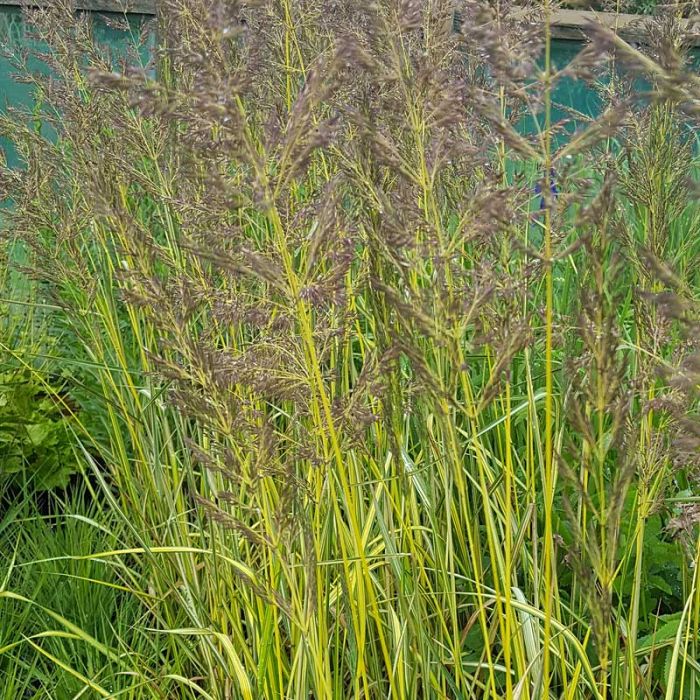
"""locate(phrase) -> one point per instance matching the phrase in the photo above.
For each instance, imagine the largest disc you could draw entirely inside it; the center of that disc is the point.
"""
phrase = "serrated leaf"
(662, 635)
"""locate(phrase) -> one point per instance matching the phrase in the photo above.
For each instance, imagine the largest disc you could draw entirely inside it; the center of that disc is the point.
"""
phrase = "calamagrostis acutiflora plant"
(381, 423)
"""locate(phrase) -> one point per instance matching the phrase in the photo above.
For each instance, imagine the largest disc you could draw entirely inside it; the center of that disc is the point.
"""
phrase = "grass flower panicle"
(344, 418)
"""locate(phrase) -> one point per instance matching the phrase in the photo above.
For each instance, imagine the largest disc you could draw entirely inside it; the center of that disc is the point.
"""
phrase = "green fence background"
(570, 96)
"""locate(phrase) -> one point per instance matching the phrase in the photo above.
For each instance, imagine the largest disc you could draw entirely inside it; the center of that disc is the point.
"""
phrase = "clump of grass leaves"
(377, 392)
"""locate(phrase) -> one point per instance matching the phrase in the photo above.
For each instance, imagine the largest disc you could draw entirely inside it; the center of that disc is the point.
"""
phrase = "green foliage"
(643, 6)
(54, 596)
(36, 439)
(662, 586)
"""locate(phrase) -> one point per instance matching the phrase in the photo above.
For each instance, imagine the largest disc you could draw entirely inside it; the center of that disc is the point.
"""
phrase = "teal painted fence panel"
(570, 96)
(15, 37)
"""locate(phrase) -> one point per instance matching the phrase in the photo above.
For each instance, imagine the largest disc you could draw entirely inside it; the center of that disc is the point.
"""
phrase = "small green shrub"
(35, 432)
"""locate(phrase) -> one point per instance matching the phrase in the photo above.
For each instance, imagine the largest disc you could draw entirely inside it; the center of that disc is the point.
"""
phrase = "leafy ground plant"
(35, 433)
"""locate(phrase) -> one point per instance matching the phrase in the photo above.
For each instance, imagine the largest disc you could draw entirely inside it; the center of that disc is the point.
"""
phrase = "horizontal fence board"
(141, 7)
(578, 19)
(573, 24)
(566, 24)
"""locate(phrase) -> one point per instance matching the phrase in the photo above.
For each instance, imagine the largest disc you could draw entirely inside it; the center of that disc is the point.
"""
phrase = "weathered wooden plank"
(573, 24)
(145, 7)
(566, 24)
(580, 18)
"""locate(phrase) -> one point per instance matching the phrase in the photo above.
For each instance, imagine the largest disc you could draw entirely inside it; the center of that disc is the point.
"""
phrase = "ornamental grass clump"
(385, 378)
